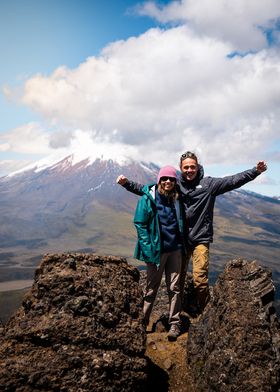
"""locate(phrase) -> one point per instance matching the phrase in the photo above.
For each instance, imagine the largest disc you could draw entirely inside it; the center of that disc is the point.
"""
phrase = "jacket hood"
(147, 188)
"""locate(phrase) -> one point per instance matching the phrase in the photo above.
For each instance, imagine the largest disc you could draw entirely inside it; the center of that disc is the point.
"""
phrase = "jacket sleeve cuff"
(255, 171)
(127, 184)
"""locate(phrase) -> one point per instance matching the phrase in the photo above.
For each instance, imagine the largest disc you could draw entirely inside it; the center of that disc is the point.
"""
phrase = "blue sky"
(41, 35)
(153, 78)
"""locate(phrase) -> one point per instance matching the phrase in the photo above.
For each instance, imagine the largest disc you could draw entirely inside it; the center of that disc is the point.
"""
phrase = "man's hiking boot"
(174, 331)
(146, 322)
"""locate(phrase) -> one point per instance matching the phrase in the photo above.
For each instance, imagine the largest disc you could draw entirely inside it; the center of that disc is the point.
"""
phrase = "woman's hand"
(121, 180)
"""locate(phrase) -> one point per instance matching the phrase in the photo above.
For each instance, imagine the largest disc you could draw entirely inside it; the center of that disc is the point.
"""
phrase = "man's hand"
(121, 180)
(261, 167)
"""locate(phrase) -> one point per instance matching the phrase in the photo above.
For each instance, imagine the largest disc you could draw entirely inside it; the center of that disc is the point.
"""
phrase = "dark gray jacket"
(198, 197)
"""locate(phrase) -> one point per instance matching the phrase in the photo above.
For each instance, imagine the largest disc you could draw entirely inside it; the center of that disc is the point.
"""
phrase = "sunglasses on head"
(171, 179)
(188, 155)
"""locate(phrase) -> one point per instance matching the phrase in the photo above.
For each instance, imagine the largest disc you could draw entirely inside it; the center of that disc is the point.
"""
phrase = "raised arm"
(226, 184)
(130, 186)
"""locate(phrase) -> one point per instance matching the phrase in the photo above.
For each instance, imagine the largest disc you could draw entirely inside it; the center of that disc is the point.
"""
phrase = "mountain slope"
(68, 206)
(247, 225)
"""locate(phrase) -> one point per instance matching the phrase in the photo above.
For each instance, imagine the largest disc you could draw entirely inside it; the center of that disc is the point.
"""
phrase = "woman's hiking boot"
(174, 331)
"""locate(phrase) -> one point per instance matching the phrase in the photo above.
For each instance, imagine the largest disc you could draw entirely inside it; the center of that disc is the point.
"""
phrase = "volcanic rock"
(234, 345)
(1, 328)
(80, 328)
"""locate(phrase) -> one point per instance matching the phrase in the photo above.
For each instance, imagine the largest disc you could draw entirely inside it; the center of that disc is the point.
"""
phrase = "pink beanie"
(167, 171)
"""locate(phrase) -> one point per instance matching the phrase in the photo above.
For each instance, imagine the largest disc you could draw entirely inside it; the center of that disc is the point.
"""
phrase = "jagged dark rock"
(2, 328)
(234, 346)
(80, 329)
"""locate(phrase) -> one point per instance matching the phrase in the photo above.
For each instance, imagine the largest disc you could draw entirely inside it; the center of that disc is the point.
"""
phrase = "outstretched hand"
(261, 167)
(121, 180)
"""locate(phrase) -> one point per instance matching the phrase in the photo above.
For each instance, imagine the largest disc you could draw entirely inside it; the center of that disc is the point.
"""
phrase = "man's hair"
(188, 154)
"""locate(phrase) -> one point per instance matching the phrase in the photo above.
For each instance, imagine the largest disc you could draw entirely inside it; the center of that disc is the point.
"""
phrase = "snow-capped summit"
(120, 154)
(60, 203)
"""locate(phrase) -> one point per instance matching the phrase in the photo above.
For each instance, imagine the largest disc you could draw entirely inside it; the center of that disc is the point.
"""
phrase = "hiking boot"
(146, 322)
(174, 331)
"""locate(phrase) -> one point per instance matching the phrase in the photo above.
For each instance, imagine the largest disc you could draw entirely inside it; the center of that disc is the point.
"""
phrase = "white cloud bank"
(168, 90)
(239, 22)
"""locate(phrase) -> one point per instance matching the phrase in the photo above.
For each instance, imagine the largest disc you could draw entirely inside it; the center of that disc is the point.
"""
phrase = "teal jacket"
(146, 220)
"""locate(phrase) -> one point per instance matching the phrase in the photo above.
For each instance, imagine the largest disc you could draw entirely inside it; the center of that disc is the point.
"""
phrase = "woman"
(158, 220)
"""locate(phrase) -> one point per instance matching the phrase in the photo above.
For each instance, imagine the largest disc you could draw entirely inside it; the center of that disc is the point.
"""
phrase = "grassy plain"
(10, 302)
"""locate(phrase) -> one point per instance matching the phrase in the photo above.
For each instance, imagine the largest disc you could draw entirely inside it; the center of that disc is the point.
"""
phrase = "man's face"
(189, 169)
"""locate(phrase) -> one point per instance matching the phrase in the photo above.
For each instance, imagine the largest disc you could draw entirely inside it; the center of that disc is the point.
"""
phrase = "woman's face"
(167, 183)
(189, 168)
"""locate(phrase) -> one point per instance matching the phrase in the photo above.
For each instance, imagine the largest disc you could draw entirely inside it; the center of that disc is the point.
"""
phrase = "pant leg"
(200, 274)
(172, 272)
(154, 276)
(184, 269)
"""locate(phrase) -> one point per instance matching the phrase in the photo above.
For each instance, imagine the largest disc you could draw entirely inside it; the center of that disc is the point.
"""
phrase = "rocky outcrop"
(2, 328)
(79, 329)
(235, 344)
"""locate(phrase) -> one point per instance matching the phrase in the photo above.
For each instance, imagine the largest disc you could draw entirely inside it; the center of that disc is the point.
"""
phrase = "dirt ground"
(167, 361)
(167, 370)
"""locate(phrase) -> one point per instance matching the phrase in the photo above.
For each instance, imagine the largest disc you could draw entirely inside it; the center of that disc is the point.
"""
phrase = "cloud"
(58, 145)
(264, 180)
(60, 139)
(272, 156)
(239, 22)
(12, 165)
(167, 90)
(4, 147)
(31, 138)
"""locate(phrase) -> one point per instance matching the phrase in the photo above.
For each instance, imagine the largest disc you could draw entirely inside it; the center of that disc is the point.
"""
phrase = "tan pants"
(200, 256)
(171, 263)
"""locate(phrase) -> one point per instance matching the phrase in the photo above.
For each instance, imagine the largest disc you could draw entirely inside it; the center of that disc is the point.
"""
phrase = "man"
(198, 195)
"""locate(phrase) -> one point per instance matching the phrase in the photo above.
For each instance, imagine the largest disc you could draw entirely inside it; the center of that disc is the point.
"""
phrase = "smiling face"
(167, 183)
(189, 168)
